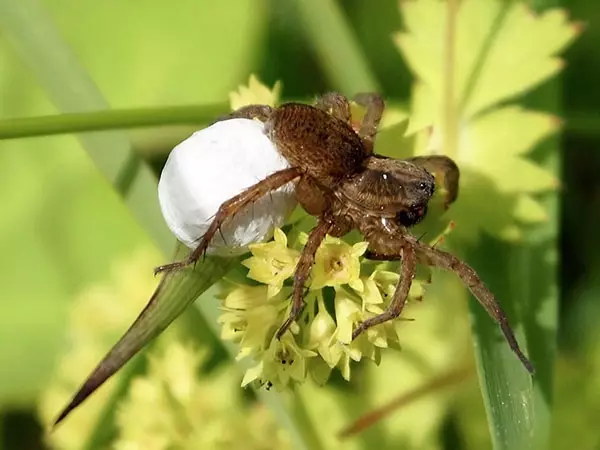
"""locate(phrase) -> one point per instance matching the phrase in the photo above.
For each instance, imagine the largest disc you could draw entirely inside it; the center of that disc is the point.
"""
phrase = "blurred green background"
(62, 225)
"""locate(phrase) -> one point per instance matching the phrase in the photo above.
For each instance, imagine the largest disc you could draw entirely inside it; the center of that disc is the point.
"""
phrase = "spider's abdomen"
(327, 148)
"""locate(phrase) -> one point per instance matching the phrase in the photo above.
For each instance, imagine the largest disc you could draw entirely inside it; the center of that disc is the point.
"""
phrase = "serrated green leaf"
(529, 210)
(508, 131)
(502, 49)
(468, 57)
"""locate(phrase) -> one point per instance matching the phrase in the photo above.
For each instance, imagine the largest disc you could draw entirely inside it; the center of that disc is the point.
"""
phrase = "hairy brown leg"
(260, 112)
(307, 258)
(374, 110)
(407, 273)
(480, 291)
(232, 206)
(335, 104)
(375, 256)
(445, 167)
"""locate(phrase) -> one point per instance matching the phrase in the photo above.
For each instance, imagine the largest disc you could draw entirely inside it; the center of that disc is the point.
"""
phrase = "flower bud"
(214, 165)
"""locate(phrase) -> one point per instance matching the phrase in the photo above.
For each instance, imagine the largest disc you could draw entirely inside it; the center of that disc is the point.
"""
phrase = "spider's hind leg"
(335, 104)
(374, 105)
(231, 207)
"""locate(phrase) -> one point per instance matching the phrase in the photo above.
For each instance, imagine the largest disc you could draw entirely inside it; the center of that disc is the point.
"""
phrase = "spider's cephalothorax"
(346, 186)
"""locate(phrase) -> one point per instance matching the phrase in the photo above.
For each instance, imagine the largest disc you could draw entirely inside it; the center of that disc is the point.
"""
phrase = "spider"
(341, 181)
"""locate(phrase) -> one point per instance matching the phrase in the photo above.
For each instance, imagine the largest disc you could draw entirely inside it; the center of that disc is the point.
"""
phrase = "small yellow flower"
(320, 338)
(246, 311)
(336, 263)
(272, 262)
(173, 406)
(281, 363)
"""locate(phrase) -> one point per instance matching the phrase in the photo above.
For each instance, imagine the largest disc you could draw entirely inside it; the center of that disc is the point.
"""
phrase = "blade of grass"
(110, 120)
(506, 386)
(526, 277)
(523, 279)
(336, 46)
(37, 41)
(174, 294)
(531, 278)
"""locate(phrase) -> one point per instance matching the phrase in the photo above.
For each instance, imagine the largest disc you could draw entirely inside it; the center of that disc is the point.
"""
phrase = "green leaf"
(72, 90)
(501, 49)
(496, 51)
(468, 57)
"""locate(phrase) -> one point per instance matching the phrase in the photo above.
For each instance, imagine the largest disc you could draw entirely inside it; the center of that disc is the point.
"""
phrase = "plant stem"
(337, 48)
(450, 120)
(109, 119)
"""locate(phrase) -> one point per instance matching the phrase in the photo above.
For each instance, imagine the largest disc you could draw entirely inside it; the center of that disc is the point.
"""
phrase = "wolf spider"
(341, 181)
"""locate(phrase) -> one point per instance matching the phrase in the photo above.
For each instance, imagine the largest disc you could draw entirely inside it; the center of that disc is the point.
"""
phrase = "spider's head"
(391, 188)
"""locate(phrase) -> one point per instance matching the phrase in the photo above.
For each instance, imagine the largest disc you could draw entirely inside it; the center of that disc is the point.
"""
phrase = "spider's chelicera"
(341, 181)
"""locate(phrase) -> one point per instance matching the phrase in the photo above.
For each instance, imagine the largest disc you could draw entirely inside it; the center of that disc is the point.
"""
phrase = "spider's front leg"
(407, 274)
(440, 165)
(374, 105)
(231, 207)
(307, 258)
(484, 296)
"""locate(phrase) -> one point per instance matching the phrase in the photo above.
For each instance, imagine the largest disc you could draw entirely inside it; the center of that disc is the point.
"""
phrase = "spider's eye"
(425, 187)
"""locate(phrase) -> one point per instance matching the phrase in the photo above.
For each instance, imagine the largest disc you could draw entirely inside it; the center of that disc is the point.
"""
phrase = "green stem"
(110, 119)
(450, 121)
(337, 48)
(583, 123)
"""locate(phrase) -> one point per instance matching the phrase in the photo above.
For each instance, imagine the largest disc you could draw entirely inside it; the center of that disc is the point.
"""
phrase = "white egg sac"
(212, 166)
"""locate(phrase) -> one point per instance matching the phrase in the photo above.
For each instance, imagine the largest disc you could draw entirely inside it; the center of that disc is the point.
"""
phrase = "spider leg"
(259, 112)
(375, 256)
(446, 168)
(307, 258)
(407, 273)
(480, 291)
(231, 207)
(335, 104)
(374, 110)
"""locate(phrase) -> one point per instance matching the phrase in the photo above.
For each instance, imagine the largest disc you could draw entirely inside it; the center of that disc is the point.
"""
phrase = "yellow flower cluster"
(191, 412)
(341, 294)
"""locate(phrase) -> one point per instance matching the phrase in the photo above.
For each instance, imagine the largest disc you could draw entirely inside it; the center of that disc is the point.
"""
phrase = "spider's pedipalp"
(480, 291)
(444, 167)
